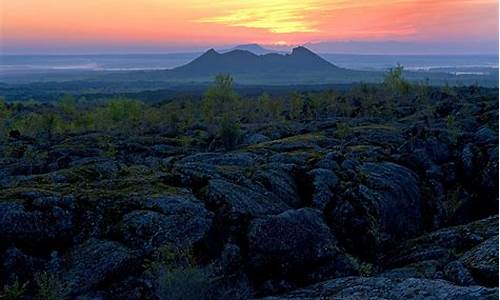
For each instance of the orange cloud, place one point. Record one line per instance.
(216, 22)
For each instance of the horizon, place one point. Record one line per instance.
(407, 50)
(444, 27)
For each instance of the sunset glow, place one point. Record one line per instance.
(197, 23)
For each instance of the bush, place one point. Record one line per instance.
(14, 291)
(229, 131)
(219, 98)
(50, 287)
(395, 81)
(183, 283)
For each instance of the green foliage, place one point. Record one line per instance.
(343, 130)
(296, 105)
(219, 98)
(229, 131)
(43, 125)
(269, 108)
(14, 291)
(395, 81)
(176, 275)
(67, 103)
(183, 283)
(50, 287)
(453, 128)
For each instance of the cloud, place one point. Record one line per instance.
(277, 16)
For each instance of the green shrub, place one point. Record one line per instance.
(183, 284)
(395, 81)
(14, 291)
(68, 104)
(229, 131)
(296, 105)
(219, 98)
(50, 287)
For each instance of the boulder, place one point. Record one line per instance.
(237, 201)
(457, 273)
(441, 244)
(324, 183)
(430, 269)
(254, 138)
(20, 266)
(292, 242)
(386, 288)
(279, 180)
(96, 262)
(482, 261)
(385, 207)
(438, 151)
(178, 220)
(485, 136)
(19, 226)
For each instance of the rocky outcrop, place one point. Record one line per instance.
(92, 263)
(385, 288)
(180, 221)
(384, 207)
(238, 201)
(294, 246)
(482, 261)
(22, 227)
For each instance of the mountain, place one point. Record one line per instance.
(235, 62)
(254, 48)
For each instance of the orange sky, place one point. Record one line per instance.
(222, 22)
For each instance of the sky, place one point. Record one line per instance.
(127, 26)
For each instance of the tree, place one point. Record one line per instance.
(395, 81)
(296, 106)
(229, 131)
(68, 104)
(219, 98)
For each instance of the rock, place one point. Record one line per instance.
(324, 183)
(437, 150)
(22, 227)
(330, 162)
(230, 260)
(290, 243)
(241, 159)
(482, 261)
(19, 266)
(386, 288)
(485, 136)
(384, 208)
(180, 222)
(393, 197)
(489, 174)
(430, 269)
(254, 138)
(240, 201)
(467, 160)
(457, 273)
(278, 179)
(194, 173)
(440, 244)
(96, 262)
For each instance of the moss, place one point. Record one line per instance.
(374, 127)
(14, 291)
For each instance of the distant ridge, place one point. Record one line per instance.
(254, 48)
(300, 60)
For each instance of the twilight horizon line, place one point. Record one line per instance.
(355, 47)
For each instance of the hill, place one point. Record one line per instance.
(245, 62)
(254, 48)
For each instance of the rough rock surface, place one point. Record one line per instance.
(94, 262)
(385, 288)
